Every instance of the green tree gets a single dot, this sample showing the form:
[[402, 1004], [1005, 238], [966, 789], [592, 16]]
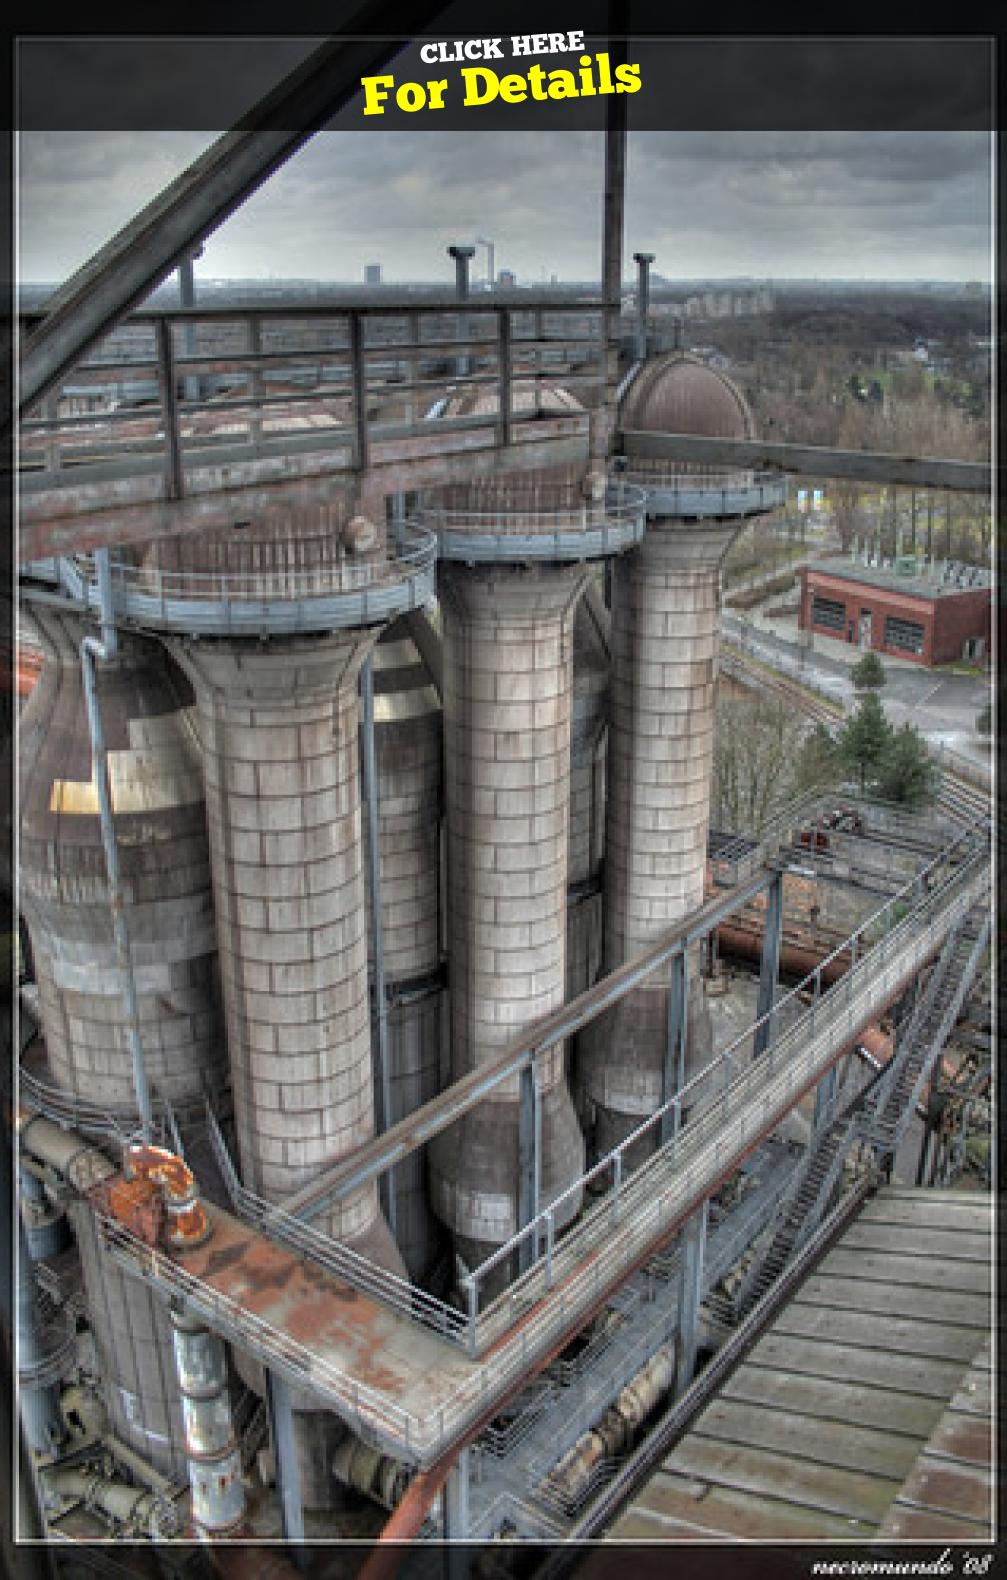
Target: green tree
[[904, 771], [820, 761], [984, 720], [865, 736], [868, 673]]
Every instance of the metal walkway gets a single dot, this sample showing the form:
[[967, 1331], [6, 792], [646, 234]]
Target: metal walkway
[[883, 1118], [417, 1395]]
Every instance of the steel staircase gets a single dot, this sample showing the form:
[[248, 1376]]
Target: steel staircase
[[925, 1036], [879, 1116]]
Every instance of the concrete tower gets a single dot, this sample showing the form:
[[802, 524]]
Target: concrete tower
[[160, 826], [665, 633], [513, 568], [278, 723]]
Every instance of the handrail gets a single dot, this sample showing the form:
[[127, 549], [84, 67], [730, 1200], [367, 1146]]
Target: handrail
[[731, 1109], [271, 1220], [241, 602]]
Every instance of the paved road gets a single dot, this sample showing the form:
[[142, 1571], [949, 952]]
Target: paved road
[[942, 706]]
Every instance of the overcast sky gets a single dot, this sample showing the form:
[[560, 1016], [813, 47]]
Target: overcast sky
[[887, 205]]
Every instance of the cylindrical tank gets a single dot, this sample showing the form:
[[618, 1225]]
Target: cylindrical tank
[[665, 634], [278, 726], [407, 730], [508, 649], [160, 828]]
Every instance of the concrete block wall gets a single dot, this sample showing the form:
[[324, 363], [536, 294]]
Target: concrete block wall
[[665, 633], [279, 727], [508, 646]]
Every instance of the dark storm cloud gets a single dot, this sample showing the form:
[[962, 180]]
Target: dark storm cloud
[[778, 203]]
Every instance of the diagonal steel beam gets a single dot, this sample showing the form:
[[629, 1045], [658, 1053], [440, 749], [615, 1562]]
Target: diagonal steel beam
[[135, 261]]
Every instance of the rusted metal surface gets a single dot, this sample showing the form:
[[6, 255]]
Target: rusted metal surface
[[85, 516], [136, 1204], [948, 1495], [338, 1324], [186, 1221], [800, 952]]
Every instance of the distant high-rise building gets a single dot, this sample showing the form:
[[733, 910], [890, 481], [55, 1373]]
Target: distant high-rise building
[[372, 274], [507, 279]]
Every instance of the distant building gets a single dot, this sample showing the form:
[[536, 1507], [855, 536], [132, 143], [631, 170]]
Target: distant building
[[372, 274], [931, 614], [506, 279]]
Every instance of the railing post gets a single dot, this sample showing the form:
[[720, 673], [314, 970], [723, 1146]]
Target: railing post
[[769, 967], [255, 346], [673, 1069], [169, 406], [504, 371], [527, 1147], [616, 1185], [358, 377]]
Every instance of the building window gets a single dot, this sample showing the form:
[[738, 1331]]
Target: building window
[[906, 635], [828, 612]]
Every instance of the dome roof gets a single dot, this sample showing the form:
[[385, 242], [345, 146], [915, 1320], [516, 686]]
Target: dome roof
[[678, 393]]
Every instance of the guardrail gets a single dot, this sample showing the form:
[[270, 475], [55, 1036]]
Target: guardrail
[[691, 495], [241, 603], [271, 1221], [716, 1092], [202, 398], [731, 1109], [567, 532]]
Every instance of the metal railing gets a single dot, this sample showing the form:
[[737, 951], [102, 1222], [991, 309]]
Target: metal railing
[[677, 493], [271, 1221], [268, 393], [116, 1122], [342, 595], [728, 1102], [731, 1107], [568, 531]]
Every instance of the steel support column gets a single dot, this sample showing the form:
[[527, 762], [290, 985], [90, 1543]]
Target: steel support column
[[690, 1297], [456, 1517], [529, 1140], [769, 968], [673, 1075], [825, 1095], [382, 1057], [288, 1470]]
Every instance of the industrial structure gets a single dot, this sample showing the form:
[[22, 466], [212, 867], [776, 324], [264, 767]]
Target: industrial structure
[[366, 870]]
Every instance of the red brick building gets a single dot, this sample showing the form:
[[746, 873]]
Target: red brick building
[[900, 611]]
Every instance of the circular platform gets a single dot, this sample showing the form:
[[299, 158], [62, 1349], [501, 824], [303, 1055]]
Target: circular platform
[[585, 532]]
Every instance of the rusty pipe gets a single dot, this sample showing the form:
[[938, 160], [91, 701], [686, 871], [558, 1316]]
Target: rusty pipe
[[404, 1526], [796, 959]]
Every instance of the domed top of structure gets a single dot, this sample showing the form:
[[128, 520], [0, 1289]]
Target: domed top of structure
[[678, 393]]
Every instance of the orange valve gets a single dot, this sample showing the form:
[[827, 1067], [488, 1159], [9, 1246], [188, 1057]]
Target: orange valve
[[186, 1222]]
